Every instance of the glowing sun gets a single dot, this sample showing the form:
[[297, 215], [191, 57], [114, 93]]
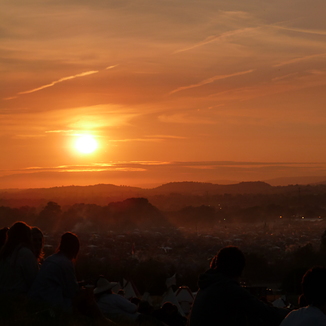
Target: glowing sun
[[86, 144]]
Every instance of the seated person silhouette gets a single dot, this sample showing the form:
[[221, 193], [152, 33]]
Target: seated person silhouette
[[222, 301], [170, 315], [18, 264], [314, 294], [56, 284], [114, 306]]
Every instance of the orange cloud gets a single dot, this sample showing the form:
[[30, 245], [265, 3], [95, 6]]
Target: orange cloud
[[214, 38], [211, 80], [59, 81], [295, 60], [83, 74], [301, 30]]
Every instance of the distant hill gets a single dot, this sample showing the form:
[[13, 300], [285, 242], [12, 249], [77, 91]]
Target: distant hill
[[103, 194], [203, 188], [309, 200], [72, 189], [67, 195], [285, 181]]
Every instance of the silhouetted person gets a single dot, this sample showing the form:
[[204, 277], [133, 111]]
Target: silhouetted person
[[314, 292], [38, 243], [112, 305], [3, 236], [18, 265], [170, 315], [222, 301], [144, 307], [56, 284]]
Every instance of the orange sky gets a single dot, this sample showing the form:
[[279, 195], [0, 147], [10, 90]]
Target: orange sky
[[172, 91]]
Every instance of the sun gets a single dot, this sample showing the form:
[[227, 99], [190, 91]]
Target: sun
[[86, 144]]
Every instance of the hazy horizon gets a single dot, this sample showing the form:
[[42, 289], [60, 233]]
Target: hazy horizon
[[285, 181]]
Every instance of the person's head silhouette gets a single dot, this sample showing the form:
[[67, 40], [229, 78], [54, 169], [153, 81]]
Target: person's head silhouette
[[18, 235], [69, 245], [314, 286], [229, 261]]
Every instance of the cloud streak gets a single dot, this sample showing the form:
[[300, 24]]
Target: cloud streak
[[87, 73], [110, 67], [189, 164], [145, 165], [83, 74], [211, 80], [154, 138], [214, 38], [137, 173], [99, 167], [184, 119], [301, 30], [284, 77], [295, 60]]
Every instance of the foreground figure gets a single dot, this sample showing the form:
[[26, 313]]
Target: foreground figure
[[222, 301], [56, 284], [314, 292], [112, 305], [18, 265]]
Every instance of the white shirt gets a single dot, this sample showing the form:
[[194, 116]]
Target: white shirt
[[306, 316], [117, 304]]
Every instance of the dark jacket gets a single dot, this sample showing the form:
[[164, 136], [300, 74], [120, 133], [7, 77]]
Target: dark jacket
[[221, 301]]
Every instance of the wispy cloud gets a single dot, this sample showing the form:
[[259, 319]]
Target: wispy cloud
[[98, 167], [85, 168], [214, 38], [83, 74], [277, 85], [211, 80], [284, 77], [295, 60], [166, 137], [317, 72], [66, 121], [146, 139], [110, 67], [300, 30], [140, 173], [144, 165], [154, 163], [59, 81], [185, 118], [59, 131], [127, 140], [9, 98], [149, 138]]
